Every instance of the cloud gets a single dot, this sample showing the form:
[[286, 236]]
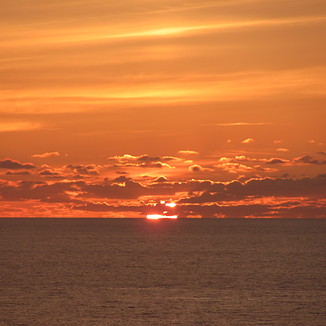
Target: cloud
[[248, 141], [97, 35], [277, 197], [258, 188], [187, 152], [236, 124], [82, 169], [279, 187], [105, 207], [50, 173], [306, 159], [15, 165], [18, 173], [161, 179], [289, 209], [48, 154], [196, 168], [234, 167], [142, 161], [127, 190], [18, 126], [121, 179], [282, 149], [253, 211], [277, 161], [41, 191]]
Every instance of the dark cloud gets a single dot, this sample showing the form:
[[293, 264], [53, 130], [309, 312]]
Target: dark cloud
[[209, 197], [15, 165], [83, 169], [236, 190], [18, 173], [308, 160], [49, 173], [291, 209], [253, 211], [291, 197], [277, 161], [199, 191], [217, 211], [279, 187], [128, 190], [161, 179], [122, 178], [41, 191], [195, 168], [151, 159], [105, 207], [158, 165]]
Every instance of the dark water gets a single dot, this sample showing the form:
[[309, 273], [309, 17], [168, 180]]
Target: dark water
[[184, 272]]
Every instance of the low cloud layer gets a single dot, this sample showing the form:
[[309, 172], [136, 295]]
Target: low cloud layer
[[264, 197]]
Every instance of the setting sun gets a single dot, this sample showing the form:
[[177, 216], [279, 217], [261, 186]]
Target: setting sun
[[157, 217]]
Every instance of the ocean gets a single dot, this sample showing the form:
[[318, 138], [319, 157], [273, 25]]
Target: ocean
[[166, 272]]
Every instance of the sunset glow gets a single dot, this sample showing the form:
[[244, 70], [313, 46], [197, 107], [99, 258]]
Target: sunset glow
[[157, 217], [216, 108]]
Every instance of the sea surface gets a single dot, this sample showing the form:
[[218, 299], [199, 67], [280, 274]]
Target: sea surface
[[183, 272]]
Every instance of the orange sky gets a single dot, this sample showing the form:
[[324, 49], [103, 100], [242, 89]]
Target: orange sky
[[225, 100]]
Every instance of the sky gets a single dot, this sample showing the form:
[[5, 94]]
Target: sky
[[110, 106]]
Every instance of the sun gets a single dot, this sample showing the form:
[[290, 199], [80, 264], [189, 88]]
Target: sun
[[163, 210], [158, 216]]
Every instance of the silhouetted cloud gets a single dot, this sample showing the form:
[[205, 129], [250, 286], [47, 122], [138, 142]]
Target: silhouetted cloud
[[105, 207], [161, 179], [277, 161], [198, 197], [15, 165], [122, 178], [196, 168], [253, 211], [265, 187], [83, 169], [306, 159], [41, 191], [50, 173], [17, 173]]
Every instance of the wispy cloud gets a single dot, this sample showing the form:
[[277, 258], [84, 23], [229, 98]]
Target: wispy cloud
[[221, 26], [45, 155], [235, 124], [188, 152], [18, 126], [102, 33]]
